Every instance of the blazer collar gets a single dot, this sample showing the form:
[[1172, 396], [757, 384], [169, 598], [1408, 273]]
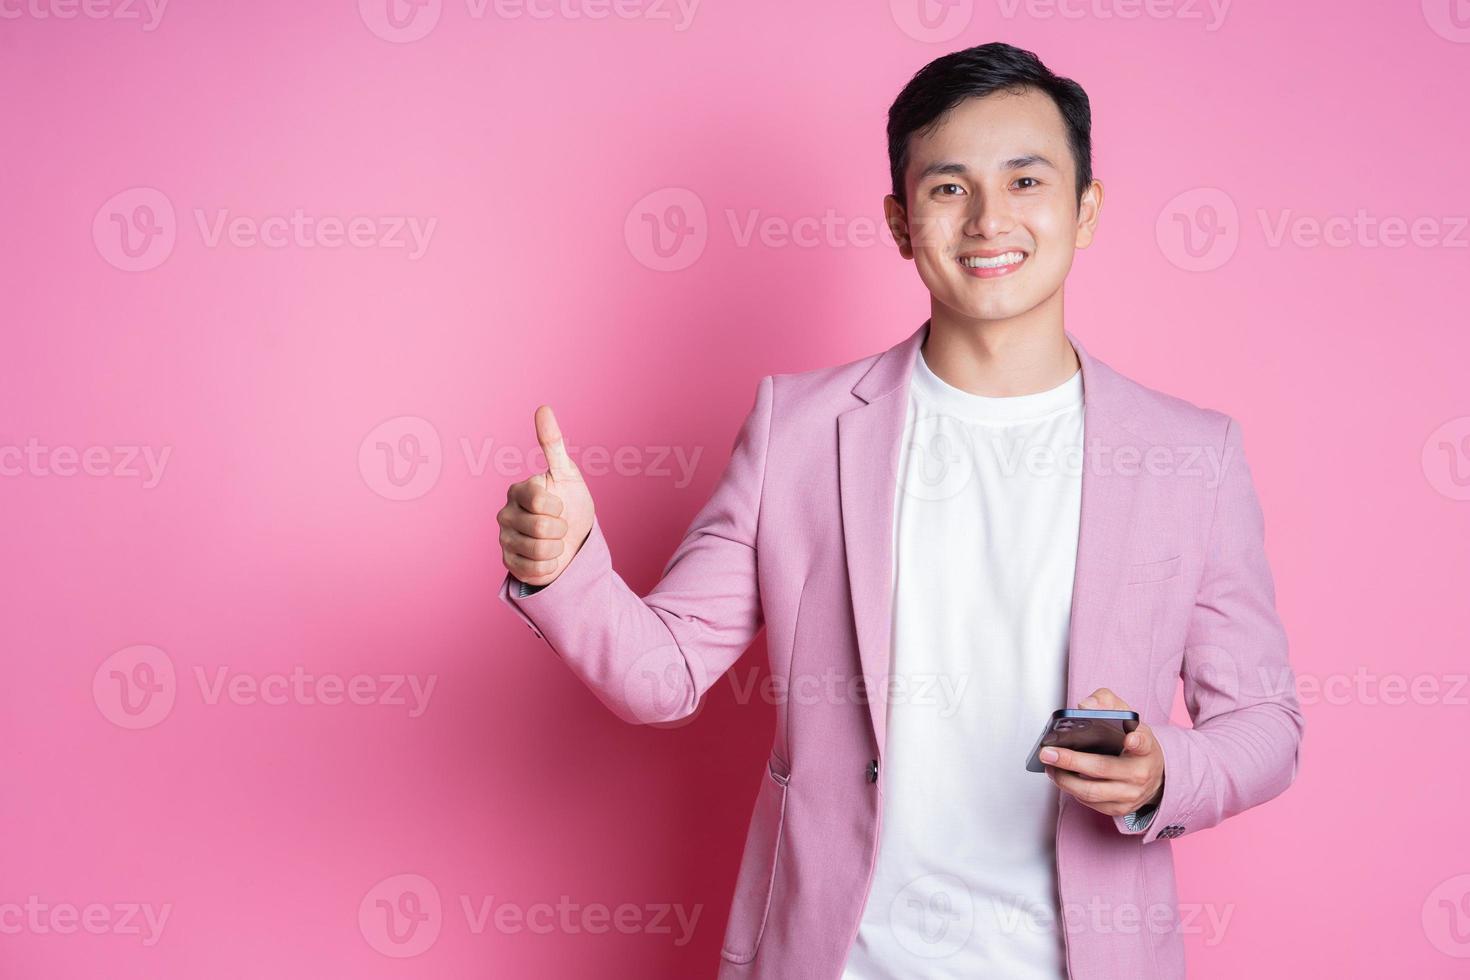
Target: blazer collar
[[1103, 388]]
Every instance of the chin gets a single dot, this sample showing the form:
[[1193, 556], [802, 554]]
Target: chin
[[988, 308]]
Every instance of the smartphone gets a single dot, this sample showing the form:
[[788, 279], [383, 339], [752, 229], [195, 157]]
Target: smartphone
[[1083, 730]]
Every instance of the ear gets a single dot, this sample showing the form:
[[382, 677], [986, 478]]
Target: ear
[[896, 215], [1088, 212]]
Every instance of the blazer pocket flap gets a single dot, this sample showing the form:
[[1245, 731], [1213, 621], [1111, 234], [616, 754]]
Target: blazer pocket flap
[[1154, 571], [753, 885]]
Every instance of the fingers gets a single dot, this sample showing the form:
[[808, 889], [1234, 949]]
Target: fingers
[[1105, 699], [532, 538], [529, 571], [548, 433], [515, 518], [1090, 764], [1140, 741], [1109, 784], [536, 549], [532, 497], [1108, 796]]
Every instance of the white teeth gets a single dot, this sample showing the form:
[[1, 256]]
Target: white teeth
[[993, 262]]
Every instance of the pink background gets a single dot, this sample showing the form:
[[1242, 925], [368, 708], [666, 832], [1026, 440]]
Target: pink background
[[271, 542]]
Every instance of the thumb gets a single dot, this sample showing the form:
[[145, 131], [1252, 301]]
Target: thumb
[[1140, 741], [558, 464]]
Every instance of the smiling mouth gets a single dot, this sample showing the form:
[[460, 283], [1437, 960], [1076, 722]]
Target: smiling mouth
[[991, 266]]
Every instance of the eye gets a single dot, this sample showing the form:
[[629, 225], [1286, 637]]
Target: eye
[[942, 187], [1032, 179]]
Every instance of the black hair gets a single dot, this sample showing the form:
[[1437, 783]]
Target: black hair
[[947, 81]]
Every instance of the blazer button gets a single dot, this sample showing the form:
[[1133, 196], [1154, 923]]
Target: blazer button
[[873, 771]]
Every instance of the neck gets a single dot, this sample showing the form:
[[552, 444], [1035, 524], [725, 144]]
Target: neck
[[1001, 358]]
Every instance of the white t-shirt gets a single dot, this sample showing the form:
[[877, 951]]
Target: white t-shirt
[[986, 516]]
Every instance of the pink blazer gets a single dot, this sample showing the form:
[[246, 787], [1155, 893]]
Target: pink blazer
[[1171, 582]]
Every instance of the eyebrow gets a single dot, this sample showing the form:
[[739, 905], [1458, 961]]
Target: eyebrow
[[959, 169]]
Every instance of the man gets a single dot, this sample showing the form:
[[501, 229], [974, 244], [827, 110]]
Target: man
[[984, 510]]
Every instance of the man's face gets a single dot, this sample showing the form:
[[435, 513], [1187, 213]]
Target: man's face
[[992, 219]]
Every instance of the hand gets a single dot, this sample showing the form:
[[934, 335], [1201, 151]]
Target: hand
[[546, 512], [1114, 785]]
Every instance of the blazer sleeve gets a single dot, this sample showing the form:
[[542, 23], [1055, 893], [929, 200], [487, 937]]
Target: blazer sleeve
[[650, 659], [1244, 746]]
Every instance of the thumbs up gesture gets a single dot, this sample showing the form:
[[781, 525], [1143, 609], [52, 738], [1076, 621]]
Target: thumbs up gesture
[[547, 517]]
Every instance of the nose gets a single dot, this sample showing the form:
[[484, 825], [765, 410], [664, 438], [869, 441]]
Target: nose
[[989, 215]]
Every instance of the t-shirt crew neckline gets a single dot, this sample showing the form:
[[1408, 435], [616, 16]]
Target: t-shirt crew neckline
[[944, 397]]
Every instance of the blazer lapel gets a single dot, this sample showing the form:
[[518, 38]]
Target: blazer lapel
[[1108, 498], [868, 442]]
